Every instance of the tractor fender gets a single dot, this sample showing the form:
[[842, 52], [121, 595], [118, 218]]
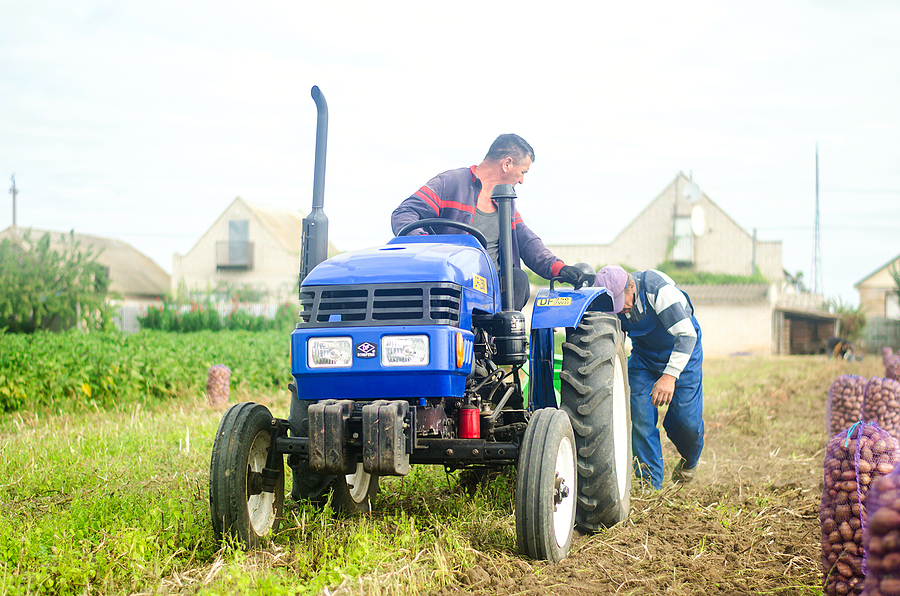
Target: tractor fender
[[565, 308]]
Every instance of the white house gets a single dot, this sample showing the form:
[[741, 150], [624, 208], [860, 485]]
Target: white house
[[878, 300], [878, 292], [251, 250], [683, 226]]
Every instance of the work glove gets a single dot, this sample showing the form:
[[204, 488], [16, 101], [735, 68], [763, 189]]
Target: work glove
[[572, 275]]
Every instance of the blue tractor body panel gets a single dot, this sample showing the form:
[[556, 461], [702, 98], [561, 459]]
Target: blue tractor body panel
[[565, 308], [553, 309], [414, 285], [370, 378]]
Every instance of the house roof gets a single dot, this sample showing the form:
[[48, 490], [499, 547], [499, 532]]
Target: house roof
[[809, 314], [730, 293], [877, 271], [285, 224], [659, 197], [131, 272]]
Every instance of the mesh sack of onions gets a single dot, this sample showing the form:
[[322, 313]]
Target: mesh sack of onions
[[892, 367], [218, 384], [881, 404], [845, 403], [854, 458], [881, 536]]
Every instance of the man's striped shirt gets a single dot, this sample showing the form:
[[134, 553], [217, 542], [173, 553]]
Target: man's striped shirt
[[674, 313]]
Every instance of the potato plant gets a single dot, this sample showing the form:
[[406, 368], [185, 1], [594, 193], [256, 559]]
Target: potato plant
[[75, 371]]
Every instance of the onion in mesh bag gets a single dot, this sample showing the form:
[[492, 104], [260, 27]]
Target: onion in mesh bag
[[845, 403], [881, 404], [892, 367], [854, 458], [218, 384], [881, 536]]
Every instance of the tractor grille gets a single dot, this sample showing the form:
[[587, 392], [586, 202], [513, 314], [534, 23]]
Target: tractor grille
[[380, 304]]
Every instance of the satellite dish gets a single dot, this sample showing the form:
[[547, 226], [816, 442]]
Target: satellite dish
[[691, 192], [698, 220]]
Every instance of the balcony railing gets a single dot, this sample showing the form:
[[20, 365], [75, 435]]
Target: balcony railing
[[234, 255]]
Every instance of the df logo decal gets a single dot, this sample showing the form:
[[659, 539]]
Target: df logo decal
[[561, 301]]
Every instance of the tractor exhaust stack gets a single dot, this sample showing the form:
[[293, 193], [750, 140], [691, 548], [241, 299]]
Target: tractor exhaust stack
[[314, 249]]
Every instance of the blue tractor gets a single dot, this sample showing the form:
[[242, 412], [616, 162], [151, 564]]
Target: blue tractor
[[413, 353]]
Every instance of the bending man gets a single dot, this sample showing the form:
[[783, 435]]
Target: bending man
[[665, 369]]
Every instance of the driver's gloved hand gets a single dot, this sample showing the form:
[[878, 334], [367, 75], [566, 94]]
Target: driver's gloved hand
[[572, 275]]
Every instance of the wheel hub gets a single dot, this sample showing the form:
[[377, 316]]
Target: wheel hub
[[254, 482], [560, 491]]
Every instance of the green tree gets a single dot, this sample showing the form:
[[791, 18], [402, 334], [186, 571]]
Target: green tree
[[47, 285], [853, 321]]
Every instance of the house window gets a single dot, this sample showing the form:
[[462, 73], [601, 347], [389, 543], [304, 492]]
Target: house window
[[238, 236], [237, 252], [891, 306], [683, 251]]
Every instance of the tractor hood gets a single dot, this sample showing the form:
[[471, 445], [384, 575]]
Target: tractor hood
[[455, 258]]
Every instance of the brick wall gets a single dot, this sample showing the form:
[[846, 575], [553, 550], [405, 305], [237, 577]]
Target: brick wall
[[872, 301]]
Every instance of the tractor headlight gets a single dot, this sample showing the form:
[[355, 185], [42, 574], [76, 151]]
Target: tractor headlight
[[329, 352], [404, 350]]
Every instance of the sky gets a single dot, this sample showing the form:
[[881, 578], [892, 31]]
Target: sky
[[143, 121]]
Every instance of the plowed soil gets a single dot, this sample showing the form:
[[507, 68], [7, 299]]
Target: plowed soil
[[748, 524]]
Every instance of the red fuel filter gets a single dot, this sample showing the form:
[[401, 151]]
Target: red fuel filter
[[469, 423]]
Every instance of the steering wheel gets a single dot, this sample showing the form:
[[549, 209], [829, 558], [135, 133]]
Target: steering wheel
[[448, 223]]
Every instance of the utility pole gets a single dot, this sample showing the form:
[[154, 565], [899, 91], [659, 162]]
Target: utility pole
[[817, 258], [13, 191]]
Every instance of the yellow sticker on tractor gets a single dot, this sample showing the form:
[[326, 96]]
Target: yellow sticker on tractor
[[480, 284], [561, 301]]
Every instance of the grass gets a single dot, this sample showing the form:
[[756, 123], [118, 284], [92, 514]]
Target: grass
[[116, 502], [110, 502]]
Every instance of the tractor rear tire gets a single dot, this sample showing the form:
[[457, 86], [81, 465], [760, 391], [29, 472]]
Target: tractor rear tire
[[595, 395], [239, 454], [546, 480]]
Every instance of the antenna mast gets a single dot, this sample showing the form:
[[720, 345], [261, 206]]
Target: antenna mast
[[817, 259], [13, 191]]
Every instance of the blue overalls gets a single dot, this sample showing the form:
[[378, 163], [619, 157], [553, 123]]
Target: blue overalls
[[651, 347]]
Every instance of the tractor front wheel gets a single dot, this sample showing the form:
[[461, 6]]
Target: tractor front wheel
[[238, 504], [353, 493], [545, 487]]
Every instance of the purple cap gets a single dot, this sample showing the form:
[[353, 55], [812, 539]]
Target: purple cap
[[614, 279]]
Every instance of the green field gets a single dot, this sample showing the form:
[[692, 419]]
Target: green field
[[107, 493]]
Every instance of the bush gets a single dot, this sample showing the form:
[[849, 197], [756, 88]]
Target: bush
[[205, 317], [688, 275], [853, 320], [45, 285]]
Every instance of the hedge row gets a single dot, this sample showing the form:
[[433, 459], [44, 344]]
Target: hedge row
[[75, 370]]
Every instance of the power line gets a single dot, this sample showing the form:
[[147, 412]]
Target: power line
[[863, 190]]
